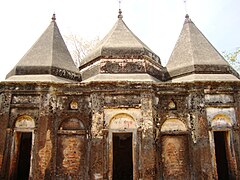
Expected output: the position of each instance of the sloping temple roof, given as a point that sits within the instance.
(122, 56)
(120, 42)
(47, 60)
(194, 57)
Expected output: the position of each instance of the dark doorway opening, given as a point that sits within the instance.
(221, 155)
(122, 156)
(24, 157)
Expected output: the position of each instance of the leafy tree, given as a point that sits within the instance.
(233, 58)
(79, 47)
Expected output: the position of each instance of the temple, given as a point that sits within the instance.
(120, 115)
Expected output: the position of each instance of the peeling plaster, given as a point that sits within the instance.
(122, 121)
(173, 125)
(110, 113)
(72, 154)
(45, 154)
(97, 125)
(227, 112)
(218, 98)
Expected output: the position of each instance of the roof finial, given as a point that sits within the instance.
(185, 6)
(120, 16)
(187, 19)
(53, 17)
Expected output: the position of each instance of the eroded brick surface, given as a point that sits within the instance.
(1, 157)
(175, 157)
(169, 126)
(72, 154)
(45, 154)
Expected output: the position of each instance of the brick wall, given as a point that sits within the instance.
(70, 155)
(45, 154)
(175, 157)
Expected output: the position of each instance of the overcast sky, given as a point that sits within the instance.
(156, 22)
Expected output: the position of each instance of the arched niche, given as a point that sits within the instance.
(122, 122)
(71, 149)
(24, 122)
(221, 121)
(174, 149)
(173, 125)
(72, 124)
(22, 147)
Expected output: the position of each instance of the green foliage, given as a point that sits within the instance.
(233, 58)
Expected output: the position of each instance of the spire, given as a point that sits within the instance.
(47, 60)
(120, 56)
(53, 17)
(120, 16)
(120, 42)
(194, 54)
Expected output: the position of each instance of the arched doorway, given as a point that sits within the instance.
(122, 147)
(222, 149)
(22, 145)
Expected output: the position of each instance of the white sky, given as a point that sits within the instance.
(156, 22)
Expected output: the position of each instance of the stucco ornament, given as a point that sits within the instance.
(25, 122)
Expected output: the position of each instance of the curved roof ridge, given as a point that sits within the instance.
(118, 43)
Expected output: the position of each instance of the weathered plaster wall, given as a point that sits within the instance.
(45, 154)
(44, 139)
(96, 154)
(221, 116)
(72, 124)
(147, 147)
(4, 132)
(84, 153)
(170, 139)
(236, 133)
(202, 163)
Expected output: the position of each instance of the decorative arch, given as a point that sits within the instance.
(72, 124)
(22, 146)
(174, 149)
(221, 121)
(173, 125)
(221, 137)
(24, 121)
(122, 121)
